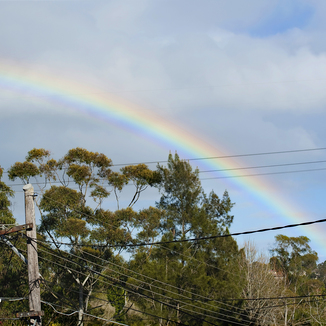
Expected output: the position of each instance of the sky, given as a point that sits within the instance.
(137, 79)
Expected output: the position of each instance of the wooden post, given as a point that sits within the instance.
(32, 257)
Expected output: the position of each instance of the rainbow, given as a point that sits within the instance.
(106, 107)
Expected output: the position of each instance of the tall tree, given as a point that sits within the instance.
(196, 269)
(296, 261)
(72, 211)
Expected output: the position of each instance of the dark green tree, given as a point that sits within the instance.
(208, 268)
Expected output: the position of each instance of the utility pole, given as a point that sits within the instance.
(32, 257)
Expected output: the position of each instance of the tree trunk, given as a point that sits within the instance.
(81, 306)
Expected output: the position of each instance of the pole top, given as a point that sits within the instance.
(28, 187)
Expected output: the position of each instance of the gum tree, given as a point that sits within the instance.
(71, 204)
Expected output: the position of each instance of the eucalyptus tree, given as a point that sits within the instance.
(294, 259)
(71, 204)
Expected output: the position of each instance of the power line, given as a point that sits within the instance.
(219, 170)
(225, 156)
(151, 285)
(156, 280)
(84, 313)
(231, 156)
(185, 311)
(202, 238)
(281, 298)
(264, 166)
(267, 173)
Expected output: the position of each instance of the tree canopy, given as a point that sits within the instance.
(98, 261)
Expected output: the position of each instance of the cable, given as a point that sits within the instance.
(85, 314)
(130, 308)
(225, 170)
(150, 285)
(264, 166)
(281, 298)
(199, 239)
(260, 174)
(224, 156)
(231, 156)
(156, 280)
(91, 262)
(185, 311)
(286, 304)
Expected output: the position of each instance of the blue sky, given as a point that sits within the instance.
(247, 77)
(286, 15)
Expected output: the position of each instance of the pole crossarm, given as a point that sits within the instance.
(24, 227)
(29, 314)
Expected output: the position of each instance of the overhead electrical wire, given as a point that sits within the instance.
(163, 283)
(264, 166)
(230, 156)
(100, 274)
(287, 304)
(225, 170)
(199, 239)
(153, 279)
(180, 295)
(185, 311)
(84, 313)
(261, 174)
(225, 156)
(281, 298)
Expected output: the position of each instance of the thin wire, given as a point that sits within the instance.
(267, 173)
(91, 262)
(281, 298)
(224, 156)
(264, 166)
(152, 286)
(137, 293)
(286, 304)
(231, 156)
(201, 239)
(156, 280)
(86, 314)
(130, 308)
(185, 311)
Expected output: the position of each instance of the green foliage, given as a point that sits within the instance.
(24, 171)
(207, 268)
(13, 278)
(6, 216)
(293, 256)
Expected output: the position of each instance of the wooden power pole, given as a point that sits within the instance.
(32, 257)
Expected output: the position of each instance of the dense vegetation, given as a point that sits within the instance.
(99, 263)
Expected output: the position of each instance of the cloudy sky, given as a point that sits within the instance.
(235, 77)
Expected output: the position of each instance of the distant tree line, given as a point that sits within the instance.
(99, 264)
